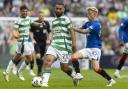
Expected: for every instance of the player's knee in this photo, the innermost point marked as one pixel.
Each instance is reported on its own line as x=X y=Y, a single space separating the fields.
x=74 y=57
x=38 y=56
x=97 y=69
x=47 y=64
x=64 y=67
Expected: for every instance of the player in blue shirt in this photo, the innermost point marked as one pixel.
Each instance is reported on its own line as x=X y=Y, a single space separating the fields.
x=92 y=51
x=123 y=41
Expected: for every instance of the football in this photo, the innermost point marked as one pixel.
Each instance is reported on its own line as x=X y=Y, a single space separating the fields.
x=36 y=81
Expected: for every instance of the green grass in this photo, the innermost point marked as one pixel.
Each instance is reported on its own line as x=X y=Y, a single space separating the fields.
x=59 y=80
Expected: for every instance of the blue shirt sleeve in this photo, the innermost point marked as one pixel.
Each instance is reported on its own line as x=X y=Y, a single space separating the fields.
x=120 y=32
x=84 y=26
x=122 y=28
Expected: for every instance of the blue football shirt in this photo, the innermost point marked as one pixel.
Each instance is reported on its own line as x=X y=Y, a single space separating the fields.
x=123 y=31
x=93 y=37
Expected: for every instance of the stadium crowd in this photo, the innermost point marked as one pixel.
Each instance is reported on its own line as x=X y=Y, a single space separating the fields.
x=111 y=13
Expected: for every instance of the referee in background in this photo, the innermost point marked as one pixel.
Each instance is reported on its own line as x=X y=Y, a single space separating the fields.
x=41 y=35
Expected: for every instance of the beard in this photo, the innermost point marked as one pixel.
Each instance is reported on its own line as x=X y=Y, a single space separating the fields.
x=59 y=14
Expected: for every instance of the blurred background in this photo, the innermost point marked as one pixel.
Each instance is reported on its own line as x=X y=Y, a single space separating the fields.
x=111 y=12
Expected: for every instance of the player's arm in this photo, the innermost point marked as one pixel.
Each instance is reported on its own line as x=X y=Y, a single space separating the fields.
x=49 y=38
x=15 y=32
x=120 y=32
x=31 y=35
x=81 y=30
x=87 y=29
x=73 y=37
x=49 y=33
x=36 y=24
x=10 y=38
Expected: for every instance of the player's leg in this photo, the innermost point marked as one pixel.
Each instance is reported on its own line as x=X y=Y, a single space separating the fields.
x=102 y=72
x=32 y=64
x=28 y=58
x=77 y=69
x=39 y=63
x=69 y=71
x=22 y=67
x=121 y=63
x=14 y=69
x=51 y=56
x=12 y=52
x=77 y=55
x=13 y=62
x=74 y=59
x=47 y=69
x=40 y=50
x=75 y=64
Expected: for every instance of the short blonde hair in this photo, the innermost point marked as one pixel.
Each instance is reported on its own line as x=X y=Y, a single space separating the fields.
x=92 y=8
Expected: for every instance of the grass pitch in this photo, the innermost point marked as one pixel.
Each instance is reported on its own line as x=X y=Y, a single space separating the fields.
x=59 y=80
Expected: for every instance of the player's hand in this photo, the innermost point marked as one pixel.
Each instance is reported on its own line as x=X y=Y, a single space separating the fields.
x=48 y=42
x=34 y=42
x=75 y=28
x=74 y=49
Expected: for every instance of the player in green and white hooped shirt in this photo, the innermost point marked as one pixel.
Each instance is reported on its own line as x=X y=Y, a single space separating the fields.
x=63 y=39
x=22 y=26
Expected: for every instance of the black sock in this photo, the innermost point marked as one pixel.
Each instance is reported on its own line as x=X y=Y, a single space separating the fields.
x=27 y=62
x=104 y=74
x=76 y=66
x=32 y=64
x=16 y=62
x=121 y=62
x=39 y=65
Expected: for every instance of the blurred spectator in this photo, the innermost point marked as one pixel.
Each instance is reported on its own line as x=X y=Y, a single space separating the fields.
x=1 y=13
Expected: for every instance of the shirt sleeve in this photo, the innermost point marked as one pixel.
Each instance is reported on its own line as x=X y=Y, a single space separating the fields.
x=16 y=25
x=48 y=27
x=69 y=24
x=31 y=21
x=84 y=26
x=31 y=28
x=120 y=32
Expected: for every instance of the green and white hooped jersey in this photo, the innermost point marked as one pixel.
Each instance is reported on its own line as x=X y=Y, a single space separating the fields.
x=61 y=39
x=22 y=26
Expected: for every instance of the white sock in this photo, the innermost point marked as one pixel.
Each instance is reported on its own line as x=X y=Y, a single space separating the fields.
x=73 y=73
x=10 y=66
x=22 y=67
x=117 y=71
x=46 y=77
x=14 y=67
